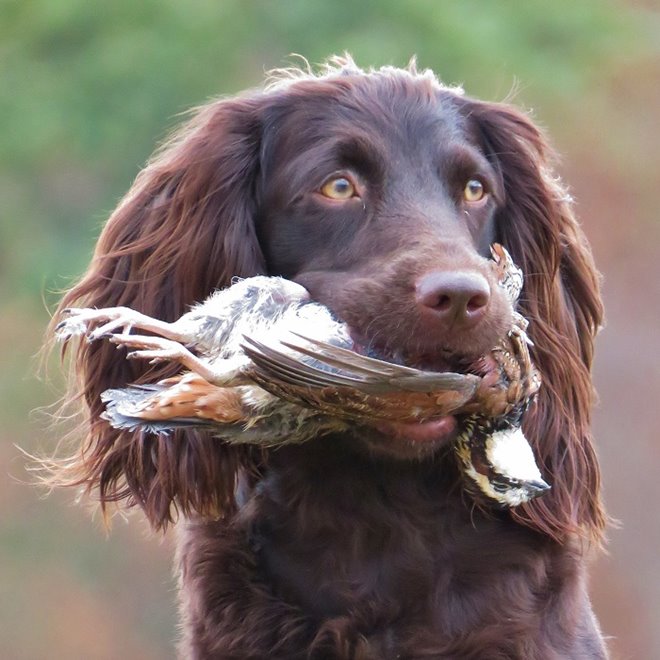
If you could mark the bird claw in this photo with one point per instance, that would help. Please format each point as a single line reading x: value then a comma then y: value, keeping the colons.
x: 154, y: 349
x: 71, y: 327
x: 156, y: 356
x: 519, y: 336
x: 107, y: 329
x: 85, y: 321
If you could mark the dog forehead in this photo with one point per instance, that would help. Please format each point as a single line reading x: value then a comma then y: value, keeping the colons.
x: 363, y: 107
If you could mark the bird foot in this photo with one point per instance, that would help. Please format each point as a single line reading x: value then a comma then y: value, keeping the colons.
x: 154, y: 349
x: 97, y: 323
x: 159, y: 349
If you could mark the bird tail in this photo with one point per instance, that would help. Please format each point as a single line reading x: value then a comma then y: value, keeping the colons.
x: 182, y: 401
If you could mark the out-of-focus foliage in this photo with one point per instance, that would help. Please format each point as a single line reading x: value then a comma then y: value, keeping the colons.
x: 87, y: 89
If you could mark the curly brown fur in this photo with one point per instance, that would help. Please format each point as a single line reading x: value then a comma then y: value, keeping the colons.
x: 357, y: 547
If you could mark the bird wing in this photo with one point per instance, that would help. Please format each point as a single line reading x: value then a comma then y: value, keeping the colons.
x: 343, y: 384
x: 349, y: 369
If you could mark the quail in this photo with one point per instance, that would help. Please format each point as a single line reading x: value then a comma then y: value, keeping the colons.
x: 266, y: 365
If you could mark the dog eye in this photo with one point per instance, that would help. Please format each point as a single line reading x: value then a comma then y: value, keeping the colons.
x: 338, y: 188
x: 474, y: 191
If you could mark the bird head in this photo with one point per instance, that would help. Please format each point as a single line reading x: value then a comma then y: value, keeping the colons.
x: 500, y: 463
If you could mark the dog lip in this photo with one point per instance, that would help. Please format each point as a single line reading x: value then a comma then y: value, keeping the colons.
x: 435, y: 431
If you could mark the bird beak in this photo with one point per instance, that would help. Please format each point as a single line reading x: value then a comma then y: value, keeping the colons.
x: 536, y: 488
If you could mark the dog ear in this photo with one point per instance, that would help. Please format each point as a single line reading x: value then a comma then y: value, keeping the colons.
x: 184, y: 229
x: 561, y: 299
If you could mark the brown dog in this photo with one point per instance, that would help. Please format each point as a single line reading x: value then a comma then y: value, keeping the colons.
x: 380, y: 193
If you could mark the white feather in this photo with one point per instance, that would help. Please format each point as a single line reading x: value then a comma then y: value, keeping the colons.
x: 511, y: 456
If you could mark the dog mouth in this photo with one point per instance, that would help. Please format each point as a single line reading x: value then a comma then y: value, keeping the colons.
x: 423, y: 437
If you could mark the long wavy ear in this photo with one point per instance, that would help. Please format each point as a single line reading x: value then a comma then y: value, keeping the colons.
x: 184, y: 229
x: 561, y: 299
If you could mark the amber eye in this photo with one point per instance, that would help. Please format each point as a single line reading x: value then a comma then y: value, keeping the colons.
x: 338, y: 188
x: 474, y: 191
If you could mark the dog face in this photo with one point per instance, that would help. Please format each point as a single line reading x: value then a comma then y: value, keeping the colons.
x: 382, y: 203
x: 379, y: 192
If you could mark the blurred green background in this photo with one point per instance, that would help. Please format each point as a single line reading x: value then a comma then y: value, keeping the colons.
x: 87, y: 90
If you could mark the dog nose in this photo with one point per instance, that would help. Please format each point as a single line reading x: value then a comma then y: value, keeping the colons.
x: 457, y: 298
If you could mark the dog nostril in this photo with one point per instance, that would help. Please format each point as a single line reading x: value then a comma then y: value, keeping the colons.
x: 444, y: 303
x: 478, y: 301
x: 454, y: 297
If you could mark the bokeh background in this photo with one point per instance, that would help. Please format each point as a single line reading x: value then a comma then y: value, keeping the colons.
x: 87, y: 90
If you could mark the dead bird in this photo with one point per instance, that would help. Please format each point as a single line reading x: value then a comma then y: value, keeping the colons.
x: 234, y: 325
x: 268, y: 365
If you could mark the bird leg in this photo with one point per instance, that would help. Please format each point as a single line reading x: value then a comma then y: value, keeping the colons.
x: 520, y: 343
x: 222, y: 373
x: 79, y: 321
